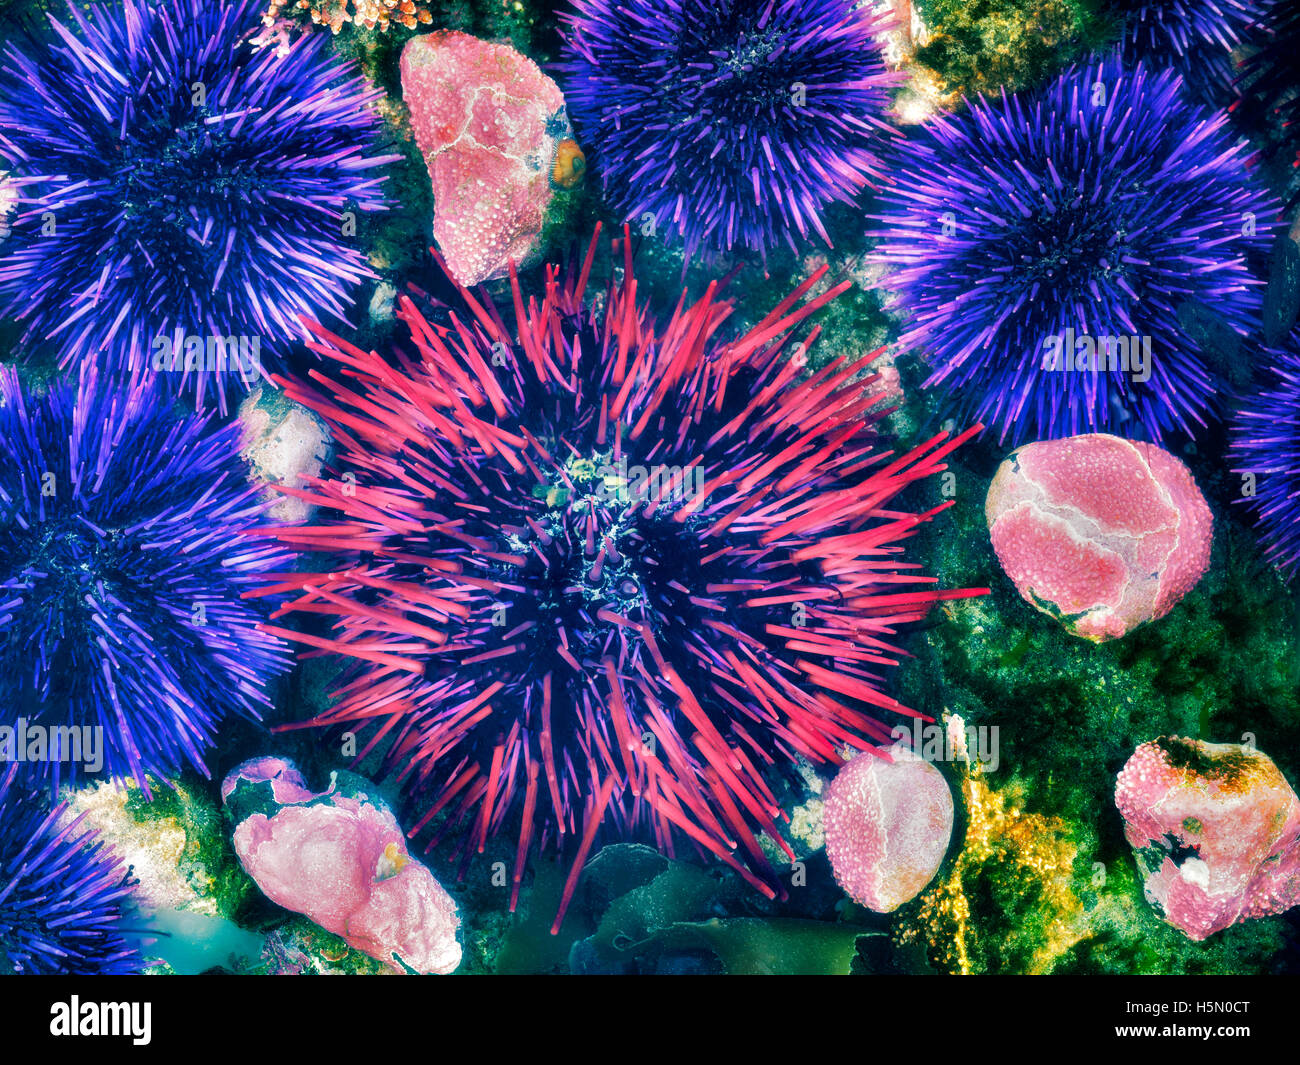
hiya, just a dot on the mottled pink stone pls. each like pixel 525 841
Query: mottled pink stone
pixel 287 784
pixel 1216 830
pixel 341 860
pixel 887 827
pixel 1102 533
pixel 488 123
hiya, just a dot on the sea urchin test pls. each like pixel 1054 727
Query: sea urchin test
pixel 888 825
pixel 340 858
pixel 496 141
pixel 1215 828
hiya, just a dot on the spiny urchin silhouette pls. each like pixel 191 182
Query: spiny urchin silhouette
pixel 1269 88
pixel 61 891
pixel 605 569
pixel 1105 206
pixel 1196 37
pixel 123 555
pixel 177 182
pixel 1266 446
pixel 734 123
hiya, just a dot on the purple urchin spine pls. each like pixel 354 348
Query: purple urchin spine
pixel 125 547
pixel 62 894
pixel 176 182
pixel 733 123
pixel 1266 446
pixel 1098 210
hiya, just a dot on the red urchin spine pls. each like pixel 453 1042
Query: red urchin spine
pixel 434 441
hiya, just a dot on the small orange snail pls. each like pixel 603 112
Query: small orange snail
pixel 570 165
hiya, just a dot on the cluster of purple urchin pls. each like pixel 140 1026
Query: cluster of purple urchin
pixel 162 178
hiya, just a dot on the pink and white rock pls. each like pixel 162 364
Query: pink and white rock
pixel 495 135
pixel 887 827
pixel 340 858
pixel 1216 832
pixel 285 445
pixel 1101 533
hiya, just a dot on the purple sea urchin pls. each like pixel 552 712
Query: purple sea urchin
pixel 122 560
pixel 1196 36
pixel 607 570
pixel 1091 213
pixel 61 892
pixel 177 183
pixel 1266 445
pixel 733 122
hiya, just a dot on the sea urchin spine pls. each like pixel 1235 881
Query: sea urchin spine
pixel 1094 216
pixel 123 553
pixel 177 183
pixel 734 122
pixel 61 892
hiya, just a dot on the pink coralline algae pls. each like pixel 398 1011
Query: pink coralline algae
pixel 887 827
pixel 1216 831
pixel 340 858
pixel 497 142
pixel 1101 533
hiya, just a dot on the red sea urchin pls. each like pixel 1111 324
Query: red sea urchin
pixel 604 571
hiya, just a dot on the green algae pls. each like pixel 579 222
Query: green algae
pixel 1129 937
pixel 977 47
pixel 208 861
pixel 1226 766
pixel 1069 713
pixel 638 911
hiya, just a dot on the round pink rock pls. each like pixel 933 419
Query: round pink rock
pixel 1101 533
pixel 490 125
pixel 1216 831
pixel 887 827
pixel 340 858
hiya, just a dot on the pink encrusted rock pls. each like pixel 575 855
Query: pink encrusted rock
pixel 496 139
pixel 340 858
pixel 284 444
pixel 887 827
pixel 1216 831
pixel 283 778
pixel 1101 533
